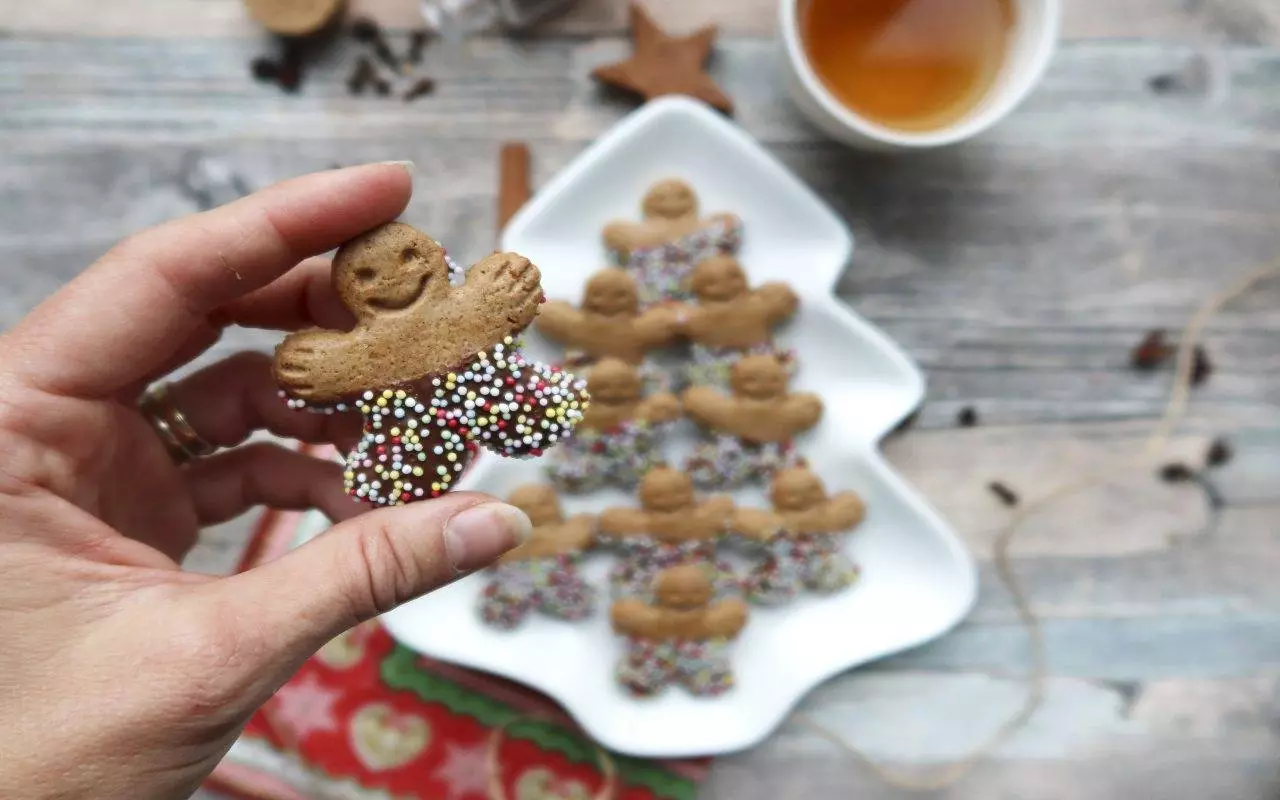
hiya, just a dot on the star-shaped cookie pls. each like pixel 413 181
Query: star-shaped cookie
pixel 662 64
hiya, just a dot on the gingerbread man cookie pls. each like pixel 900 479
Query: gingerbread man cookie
pixel 610 323
pixel 661 250
pixel 619 436
pixel 752 427
pixel 671 526
pixel 430 365
pixel 682 637
pixel 543 574
pixel 730 319
pixel 800 539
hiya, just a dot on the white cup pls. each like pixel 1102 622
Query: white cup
pixel 1034 38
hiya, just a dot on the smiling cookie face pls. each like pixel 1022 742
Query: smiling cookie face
pixel 539 502
pixel 611 292
pixel 669 199
pixel 388 270
pixel 684 587
pixel 614 382
pixel 796 489
pixel 664 489
pixel 718 279
pixel 761 377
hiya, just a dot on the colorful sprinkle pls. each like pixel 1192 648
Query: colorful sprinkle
pixel 661 272
pixel 386 468
pixel 552 585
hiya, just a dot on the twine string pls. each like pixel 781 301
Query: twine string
pixel 1037 673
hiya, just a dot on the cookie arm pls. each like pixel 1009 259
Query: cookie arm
pixel 845 510
pixel 726 619
pixel 583 531
pixel 802 411
pixel 661 407
pixel 755 523
pixel 619 237
pixel 708 408
pixel 306 366
pixel 778 300
pixel 623 521
pixel 631 617
pixel 659 325
pixel 560 322
pixel 718 509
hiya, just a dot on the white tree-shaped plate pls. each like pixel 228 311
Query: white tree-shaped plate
pixel 917 579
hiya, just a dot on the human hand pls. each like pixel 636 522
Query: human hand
pixel 121 675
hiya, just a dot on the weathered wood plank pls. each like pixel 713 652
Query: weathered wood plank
pixel 1236 21
pixel 129 89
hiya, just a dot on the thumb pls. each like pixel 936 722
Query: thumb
pixel 363 567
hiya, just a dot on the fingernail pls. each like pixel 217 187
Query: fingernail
pixel 478 535
pixel 407 166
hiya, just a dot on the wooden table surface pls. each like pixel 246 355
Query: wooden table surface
pixel 1018 269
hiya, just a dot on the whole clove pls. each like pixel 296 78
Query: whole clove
pixel 1201 366
pixel 264 69
pixel 417 44
pixel 1176 472
pixel 365 30
pixel 967 417
pixel 363 74
pixel 1007 496
pixel 289 72
pixel 421 88
pixel 1219 453
pixel 1151 352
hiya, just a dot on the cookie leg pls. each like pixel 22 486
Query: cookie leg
pixel 506 602
pixel 767 585
pixel 575 471
pixel 511 406
pixel 407 450
pixel 566 594
pixel 831 572
pixel 720 463
pixel 705 669
pixel 631 575
pixel 643 671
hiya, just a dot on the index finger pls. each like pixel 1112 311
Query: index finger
pixel 125 315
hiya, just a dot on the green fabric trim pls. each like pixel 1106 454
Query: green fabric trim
pixel 400 671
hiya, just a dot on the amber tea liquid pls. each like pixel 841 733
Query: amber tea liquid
pixel 913 65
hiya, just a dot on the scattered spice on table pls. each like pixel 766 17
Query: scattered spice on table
pixel 967 417
pixel 363 74
pixel 1151 352
pixel 1176 472
pixel 264 69
pixel 1201 366
pixel 417 44
pixel 1219 453
pixel 366 31
pixel 1001 490
pixel 420 88
pixel 289 72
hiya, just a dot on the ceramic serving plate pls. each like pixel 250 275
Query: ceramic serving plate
pixel 917 580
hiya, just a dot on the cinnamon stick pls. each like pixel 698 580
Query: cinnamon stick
pixel 513 180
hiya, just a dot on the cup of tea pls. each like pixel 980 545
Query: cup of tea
pixel 909 74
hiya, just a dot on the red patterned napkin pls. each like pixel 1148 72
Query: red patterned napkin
pixel 367 719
